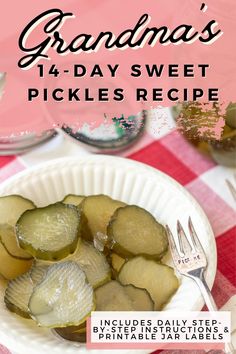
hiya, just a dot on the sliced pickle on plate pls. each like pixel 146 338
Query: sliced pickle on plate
pixel 9 240
pixel 63 298
pixel 116 262
pixel 113 296
pixel 93 263
pixel 133 230
pixel 72 335
pixel 79 245
pixel 18 293
pixel 77 200
pixel 98 210
pixel 12 207
pixel 158 279
pixel 37 272
pixel 100 241
pixel 89 259
pixel 49 233
pixel 73 199
pixel 141 298
pixel 12 267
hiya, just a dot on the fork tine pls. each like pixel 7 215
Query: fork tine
pixel 196 242
pixel 174 249
pixel 185 246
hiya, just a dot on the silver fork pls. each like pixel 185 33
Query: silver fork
pixel 191 261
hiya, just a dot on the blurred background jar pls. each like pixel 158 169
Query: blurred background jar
pixel 222 150
pixel 111 136
pixel 221 74
pixel 17 144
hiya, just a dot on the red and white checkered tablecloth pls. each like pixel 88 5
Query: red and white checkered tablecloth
pixel 168 151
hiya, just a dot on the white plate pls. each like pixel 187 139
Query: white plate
pixel 123 179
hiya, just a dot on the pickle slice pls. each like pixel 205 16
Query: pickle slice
pixel 9 240
pixel 89 259
pixel 12 207
pixel 18 293
pixel 73 199
pixel 117 262
pixel 98 209
pixel 63 298
pixel 72 335
pixel 11 267
pixel 93 263
pixel 100 241
pixel 37 272
pixel 77 200
pixel 158 279
pixel 133 230
pixel 115 297
pixel 141 298
pixel 49 233
pixel 112 297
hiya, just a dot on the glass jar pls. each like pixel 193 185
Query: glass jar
pixel 222 150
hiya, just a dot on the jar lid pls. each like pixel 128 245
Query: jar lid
pixel 110 137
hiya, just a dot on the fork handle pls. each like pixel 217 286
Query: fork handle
pixel 198 276
pixel 206 293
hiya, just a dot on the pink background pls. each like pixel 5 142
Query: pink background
pixel 17 115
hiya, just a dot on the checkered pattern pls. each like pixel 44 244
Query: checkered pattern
pixel 172 154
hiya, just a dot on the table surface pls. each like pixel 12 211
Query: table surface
pixel 164 148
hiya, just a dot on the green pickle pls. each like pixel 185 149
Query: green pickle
pixel 72 333
pixel 93 263
pixel 9 241
pixel 63 297
pixel 49 233
pixel 98 210
pixel 133 230
pixel 158 279
pixel 81 254
pixel 73 199
pixel 77 201
pixel 18 293
pixel 116 297
pixel 12 207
